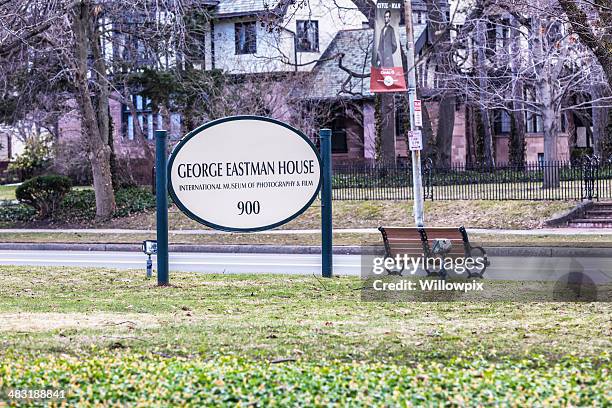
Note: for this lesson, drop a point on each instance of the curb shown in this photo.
(222, 249)
(542, 252)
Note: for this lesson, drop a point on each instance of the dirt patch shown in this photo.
(32, 322)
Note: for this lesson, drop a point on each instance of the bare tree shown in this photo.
(77, 37)
(592, 21)
(67, 31)
(526, 63)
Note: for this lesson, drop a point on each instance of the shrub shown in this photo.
(78, 205)
(44, 193)
(133, 200)
(16, 213)
(81, 204)
(36, 157)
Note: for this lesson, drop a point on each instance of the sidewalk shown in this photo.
(480, 231)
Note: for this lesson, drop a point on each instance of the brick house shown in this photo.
(247, 38)
(243, 38)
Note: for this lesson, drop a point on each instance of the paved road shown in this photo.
(502, 268)
(185, 262)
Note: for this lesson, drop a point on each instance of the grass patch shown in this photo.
(203, 239)
(351, 214)
(7, 192)
(214, 339)
(372, 214)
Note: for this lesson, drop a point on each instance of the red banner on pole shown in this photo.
(387, 72)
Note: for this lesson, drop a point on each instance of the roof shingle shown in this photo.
(237, 7)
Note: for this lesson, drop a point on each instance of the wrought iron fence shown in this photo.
(588, 179)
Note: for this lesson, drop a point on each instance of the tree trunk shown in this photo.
(99, 150)
(388, 128)
(166, 118)
(600, 120)
(481, 42)
(479, 137)
(427, 133)
(470, 136)
(551, 170)
(446, 118)
(517, 142)
(546, 98)
(446, 126)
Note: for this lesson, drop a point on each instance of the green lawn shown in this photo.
(372, 214)
(113, 337)
(7, 192)
(361, 214)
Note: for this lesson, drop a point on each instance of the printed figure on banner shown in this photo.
(387, 73)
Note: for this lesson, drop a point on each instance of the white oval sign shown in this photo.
(244, 173)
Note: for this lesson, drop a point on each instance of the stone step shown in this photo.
(598, 219)
(600, 211)
(587, 219)
(603, 214)
(590, 223)
(590, 226)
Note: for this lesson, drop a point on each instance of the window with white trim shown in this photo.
(307, 35)
(145, 118)
(246, 37)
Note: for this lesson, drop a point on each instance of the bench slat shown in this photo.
(415, 242)
(409, 241)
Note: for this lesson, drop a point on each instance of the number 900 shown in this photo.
(248, 207)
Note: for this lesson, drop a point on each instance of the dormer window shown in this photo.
(307, 36)
(246, 38)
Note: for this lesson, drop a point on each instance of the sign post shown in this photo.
(326, 205)
(418, 114)
(161, 151)
(415, 140)
(416, 154)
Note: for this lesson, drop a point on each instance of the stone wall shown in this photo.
(534, 147)
(459, 149)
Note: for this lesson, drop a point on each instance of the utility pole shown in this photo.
(416, 154)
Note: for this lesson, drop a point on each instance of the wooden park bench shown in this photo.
(423, 243)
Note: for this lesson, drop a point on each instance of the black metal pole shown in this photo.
(161, 180)
(326, 205)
